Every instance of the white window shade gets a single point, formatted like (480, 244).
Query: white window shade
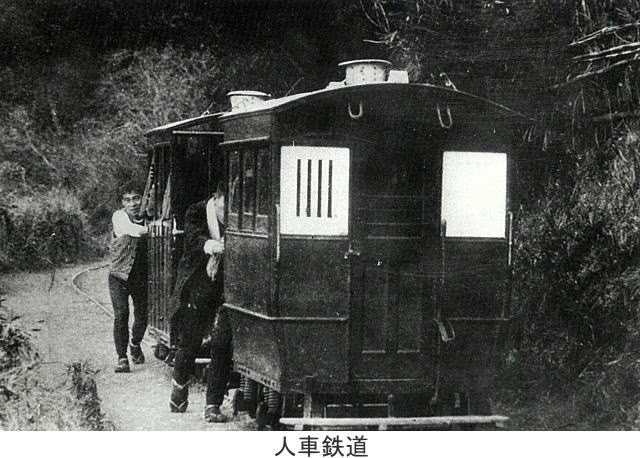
(314, 190)
(474, 193)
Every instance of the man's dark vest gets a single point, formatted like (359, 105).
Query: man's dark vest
(128, 256)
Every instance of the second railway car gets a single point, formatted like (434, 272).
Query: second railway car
(368, 248)
(183, 168)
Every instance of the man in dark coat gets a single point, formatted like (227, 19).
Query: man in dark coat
(198, 301)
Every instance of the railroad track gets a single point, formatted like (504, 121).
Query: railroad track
(79, 290)
(101, 306)
(96, 302)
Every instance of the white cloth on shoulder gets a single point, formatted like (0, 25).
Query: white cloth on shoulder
(212, 220)
(214, 232)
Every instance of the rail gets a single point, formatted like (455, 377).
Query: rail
(94, 300)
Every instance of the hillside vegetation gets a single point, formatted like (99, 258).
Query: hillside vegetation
(83, 80)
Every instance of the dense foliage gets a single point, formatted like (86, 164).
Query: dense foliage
(577, 292)
(76, 98)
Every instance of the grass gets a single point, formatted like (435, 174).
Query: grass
(28, 402)
(604, 396)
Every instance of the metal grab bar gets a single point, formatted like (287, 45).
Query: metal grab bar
(360, 111)
(447, 335)
(510, 238)
(442, 124)
(278, 233)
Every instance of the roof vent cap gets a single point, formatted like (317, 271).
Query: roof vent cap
(243, 99)
(366, 71)
(398, 76)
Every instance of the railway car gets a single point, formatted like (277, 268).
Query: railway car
(367, 246)
(368, 249)
(183, 165)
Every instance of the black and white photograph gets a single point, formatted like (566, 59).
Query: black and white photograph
(319, 219)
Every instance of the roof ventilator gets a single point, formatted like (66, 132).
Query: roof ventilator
(366, 71)
(241, 100)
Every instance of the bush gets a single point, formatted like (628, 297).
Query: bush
(48, 229)
(15, 346)
(27, 402)
(578, 255)
(81, 383)
(577, 289)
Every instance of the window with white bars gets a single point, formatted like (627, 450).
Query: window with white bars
(314, 190)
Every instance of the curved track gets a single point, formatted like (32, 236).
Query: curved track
(94, 300)
(139, 400)
(77, 288)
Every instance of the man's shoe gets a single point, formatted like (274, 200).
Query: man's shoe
(136, 354)
(123, 366)
(160, 351)
(212, 414)
(179, 397)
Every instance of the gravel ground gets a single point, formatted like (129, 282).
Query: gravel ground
(67, 326)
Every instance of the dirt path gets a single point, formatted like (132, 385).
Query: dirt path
(67, 326)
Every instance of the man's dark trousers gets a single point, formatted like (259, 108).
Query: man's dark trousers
(203, 303)
(120, 290)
